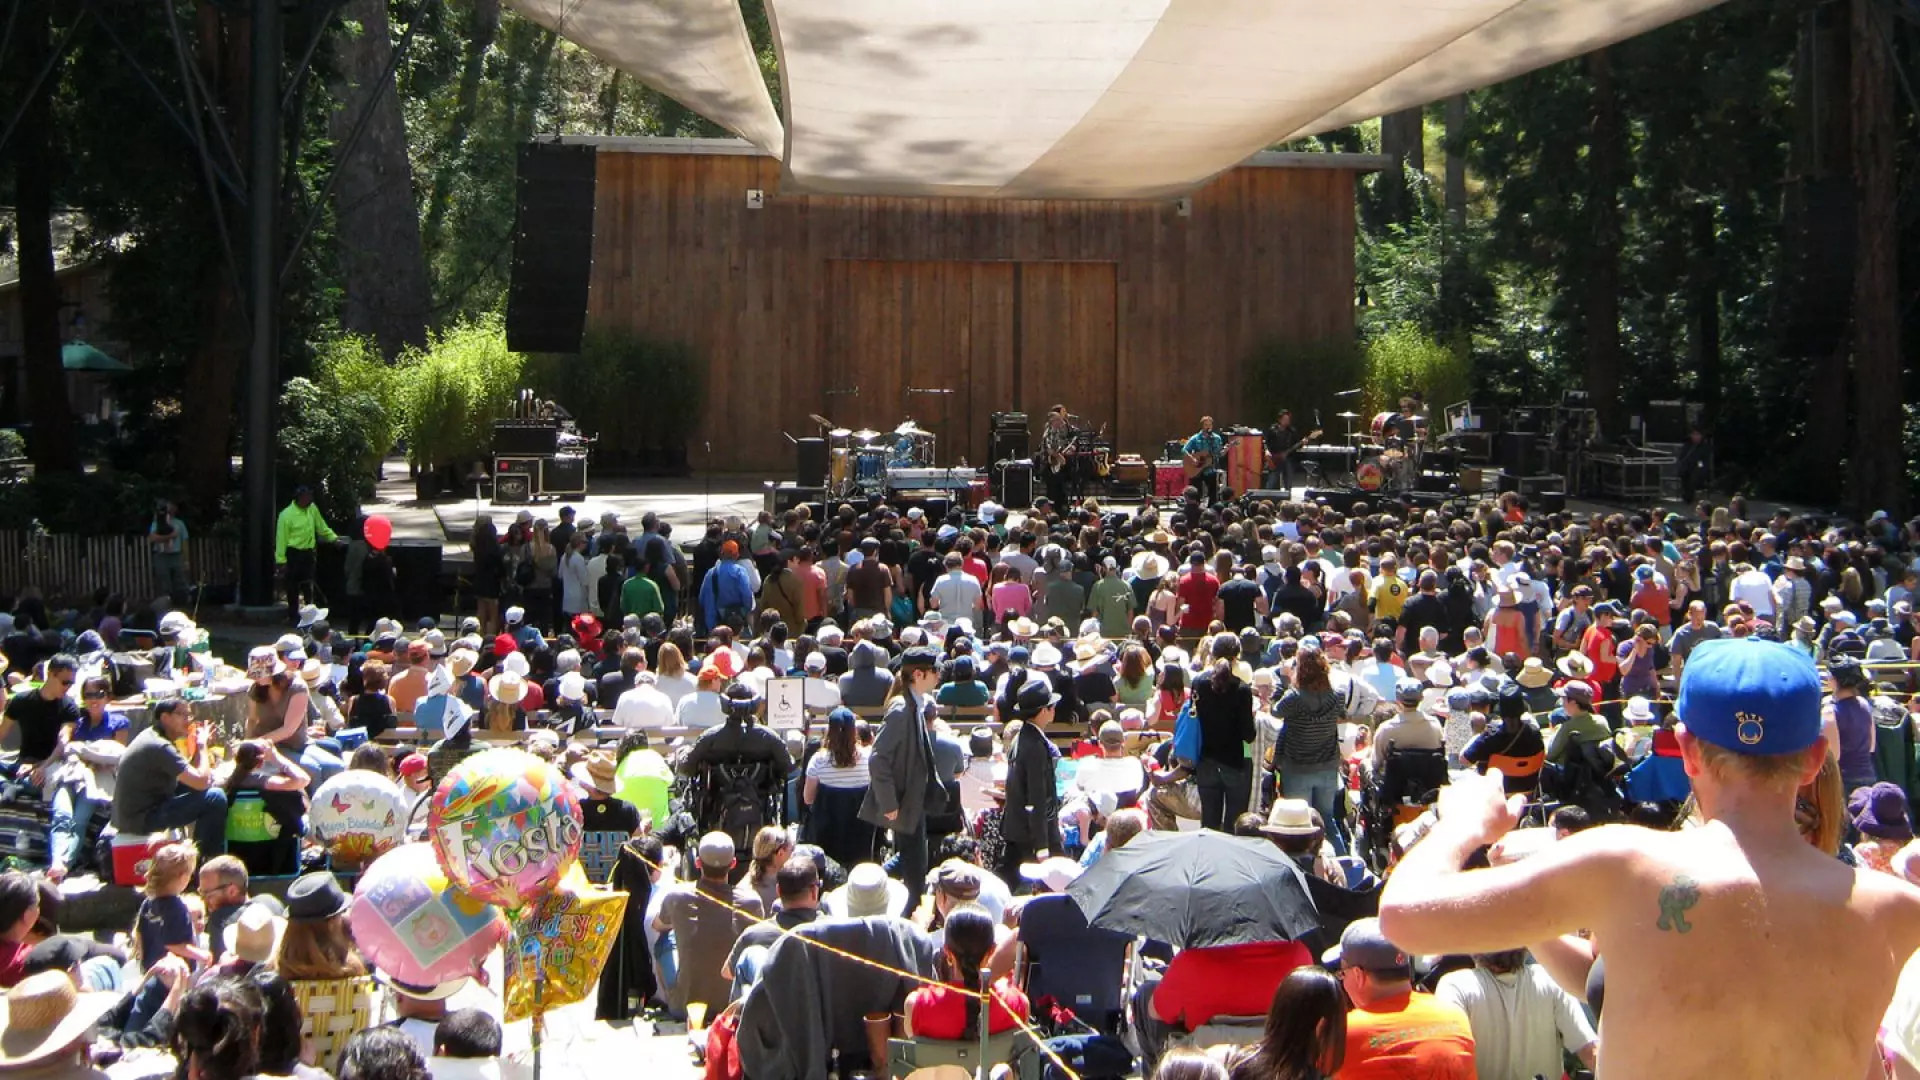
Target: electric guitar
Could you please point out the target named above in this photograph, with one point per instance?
(1274, 456)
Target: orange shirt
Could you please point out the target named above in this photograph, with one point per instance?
(1412, 1036)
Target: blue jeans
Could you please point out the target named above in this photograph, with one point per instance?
(666, 964)
(320, 764)
(746, 970)
(72, 813)
(1321, 788)
(205, 810)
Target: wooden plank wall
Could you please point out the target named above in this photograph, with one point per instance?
(67, 569)
(1128, 313)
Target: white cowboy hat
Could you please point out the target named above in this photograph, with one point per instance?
(1575, 665)
(436, 992)
(1023, 627)
(310, 614)
(43, 1015)
(507, 687)
(255, 935)
(1150, 564)
(868, 891)
(1639, 710)
(1290, 817)
(1045, 655)
(573, 686)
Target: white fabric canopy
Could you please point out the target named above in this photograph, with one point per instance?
(1074, 98)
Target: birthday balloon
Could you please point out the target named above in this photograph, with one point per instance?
(359, 815)
(413, 924)
(506, 826)
(571, 931)
(379, 531)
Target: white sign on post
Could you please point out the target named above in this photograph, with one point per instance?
(787, 704)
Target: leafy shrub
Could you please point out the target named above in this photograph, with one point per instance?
(1304, 378)
(1404, 359)
(327, 441)
(102, 503)
(12, 443)
(639, 396)
(349, 365)
(451, 393)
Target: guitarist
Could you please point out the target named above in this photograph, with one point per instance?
(1282, 439)
(1204, 451)
(1056, 444)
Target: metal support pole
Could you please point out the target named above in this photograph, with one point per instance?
(263, 281)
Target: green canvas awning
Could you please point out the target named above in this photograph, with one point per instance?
(80, 356)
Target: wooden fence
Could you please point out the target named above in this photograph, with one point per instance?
(67, 569)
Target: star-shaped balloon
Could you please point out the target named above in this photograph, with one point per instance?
(561, 942)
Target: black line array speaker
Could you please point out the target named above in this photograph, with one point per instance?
(552, 247)
(810, 456)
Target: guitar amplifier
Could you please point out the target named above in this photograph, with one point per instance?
(512, 488)
(564, 474)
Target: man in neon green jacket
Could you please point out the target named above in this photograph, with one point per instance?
(299, 530)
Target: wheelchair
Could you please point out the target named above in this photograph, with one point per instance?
(1400, 791)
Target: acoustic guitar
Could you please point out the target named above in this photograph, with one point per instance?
(1197, 462)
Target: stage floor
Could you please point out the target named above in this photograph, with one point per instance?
(688, 503)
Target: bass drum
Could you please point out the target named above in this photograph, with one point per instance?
(1370, 476)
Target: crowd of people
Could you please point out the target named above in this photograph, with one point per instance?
(997, 701)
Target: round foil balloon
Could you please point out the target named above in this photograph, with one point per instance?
(506, 826)
(413, 924)
(359, 816)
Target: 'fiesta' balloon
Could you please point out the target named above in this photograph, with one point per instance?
(506, 826)
(379, 532)
(359, 816)
(413, 924)
(575, 926)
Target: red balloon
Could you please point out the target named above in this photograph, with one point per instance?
(379, 530)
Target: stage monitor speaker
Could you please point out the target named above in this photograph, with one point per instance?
(782, 497)
(1666, 421)
(1341, 499)
(1016, 485)
(552, 247)
(525, 437)
(1513, 452)
(810, 462)
(1007, 444)
(1551, 502)
(416, 572)
(512, 488)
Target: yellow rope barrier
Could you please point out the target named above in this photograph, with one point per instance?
(1039, 1040)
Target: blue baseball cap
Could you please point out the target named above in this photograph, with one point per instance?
(1751, 696)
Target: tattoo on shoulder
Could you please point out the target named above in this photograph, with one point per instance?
(1675, 901)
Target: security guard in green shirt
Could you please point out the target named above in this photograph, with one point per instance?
(300, 528)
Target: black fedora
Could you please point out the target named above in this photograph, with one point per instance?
(316, 896)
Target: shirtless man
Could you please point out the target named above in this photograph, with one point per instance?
(1732, 949)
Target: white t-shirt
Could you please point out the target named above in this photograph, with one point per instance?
(675, 686)
(700, 709)
(1519, 1021)
(1117, 775)
(643, 707)
(821, 694)
(1756, 588)
(958, 596)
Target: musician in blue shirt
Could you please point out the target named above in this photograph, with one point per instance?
(1204, 451)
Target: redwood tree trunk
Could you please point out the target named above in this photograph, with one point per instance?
(1879, 455)
(1601, 303)
(382, 266)
(466, 103)
(1402, 138)
(51, 445)
(205, 450)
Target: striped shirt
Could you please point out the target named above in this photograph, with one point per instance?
(822, 769)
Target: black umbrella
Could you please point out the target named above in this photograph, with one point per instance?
(1197, 889)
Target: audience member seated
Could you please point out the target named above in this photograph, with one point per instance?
(941, 1011)
(1394, 1030)
(1201, 984)
(160, 788)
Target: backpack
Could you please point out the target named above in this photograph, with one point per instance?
(738, 805)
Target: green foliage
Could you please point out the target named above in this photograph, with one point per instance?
(12, 443)
(1405, 359)
(100, 503)
(325, 440)
(347, 365)
(640, 396)
(1304, 378)
(452, 392)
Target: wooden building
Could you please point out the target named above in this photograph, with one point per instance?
(1136, 315)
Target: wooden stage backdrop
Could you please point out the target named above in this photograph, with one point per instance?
(1133, 314)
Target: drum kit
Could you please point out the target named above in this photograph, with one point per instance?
(858, 460)
(1385, 457)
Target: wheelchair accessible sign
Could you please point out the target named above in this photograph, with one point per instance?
(787, 704)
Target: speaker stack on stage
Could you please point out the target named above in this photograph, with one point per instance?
(1009, 453)
(536, 458)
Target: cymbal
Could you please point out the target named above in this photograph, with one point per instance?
(839, 433)
(821, 420)
(866, 433)
(907, 428)
(1348, 415)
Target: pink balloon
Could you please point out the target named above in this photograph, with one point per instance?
(416, 925)
(378, 532)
